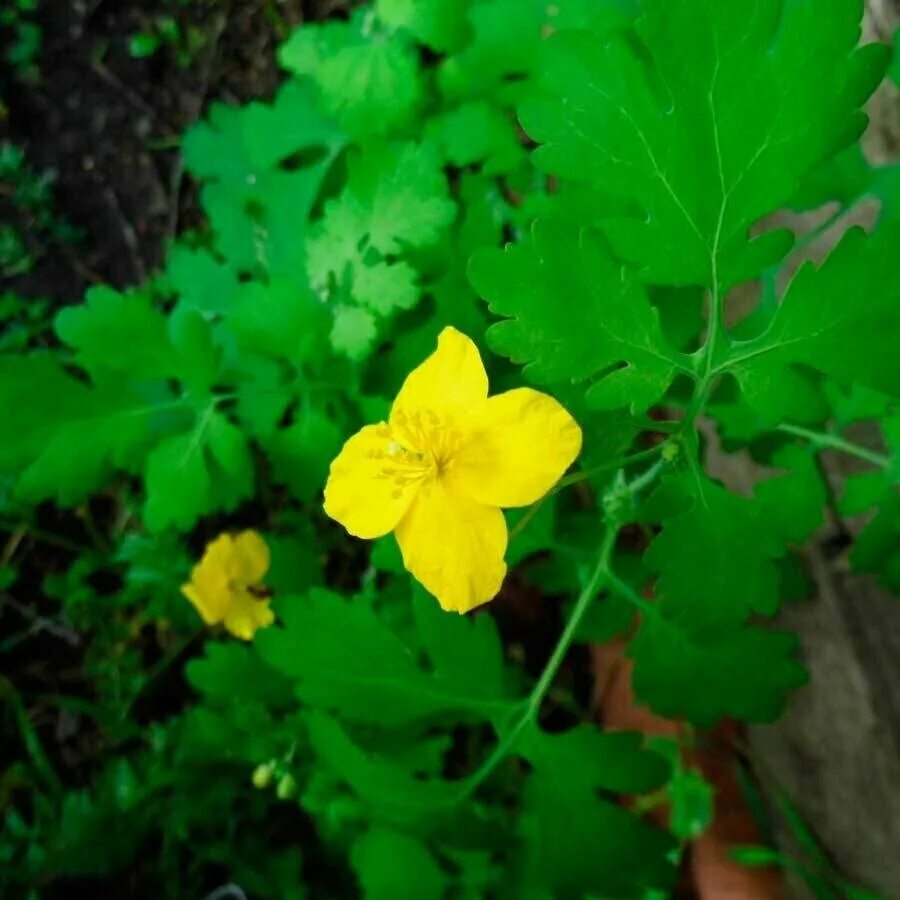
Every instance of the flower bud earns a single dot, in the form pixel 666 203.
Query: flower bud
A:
pixel 262 775
pixel 286 788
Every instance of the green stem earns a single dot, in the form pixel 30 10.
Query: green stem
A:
pixel 824 440
pixel 32 743
pixel 577 478
pixel 622 463
pixel 532 704
pixel 601 569
pixel 705 366
pixel 646 479
pixel 627 592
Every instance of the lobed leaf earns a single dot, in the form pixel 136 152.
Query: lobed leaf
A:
pixel 575 313
pixel 668 120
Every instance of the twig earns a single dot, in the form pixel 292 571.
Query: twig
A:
pixel 135 99
pixel 39 623
pixel 128 233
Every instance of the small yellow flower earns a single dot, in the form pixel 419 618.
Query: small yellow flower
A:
pixel 438 472
pixel 226 585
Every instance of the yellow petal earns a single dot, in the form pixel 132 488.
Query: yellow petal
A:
pixel 249 560
pixel 209 589
pixel 210 605
pixel 450 382
pixel 359 495
pixel 454 547
pixel 247 615
pixel 520 444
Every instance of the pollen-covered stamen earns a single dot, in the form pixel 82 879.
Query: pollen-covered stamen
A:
pixel 418 445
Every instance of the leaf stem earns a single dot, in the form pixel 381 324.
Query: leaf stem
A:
pixel 627 592
pixel 824 440
pixel 577 478
pixel 583 475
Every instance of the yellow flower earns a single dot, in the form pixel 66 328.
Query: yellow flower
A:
pixel 438 472
pixel 226 586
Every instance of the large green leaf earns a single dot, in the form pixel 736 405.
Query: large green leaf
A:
pixel 344 658
pixel 745 673
pixel 375 856
pixel 670 120
pixel 841 318
pixel 577 841
pixel 575 313
pixel 64 438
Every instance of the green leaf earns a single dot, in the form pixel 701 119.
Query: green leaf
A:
pixel 465 652
pixel 395 792
pixel 714 556
pixel 263 165
pixel 396 200
pixel 839 318
pixel 279 318
pixel 402 192
pixel 117 334
pixel 477 132
pixel 197 358
pixel 200 471
pixel 353 332
pixel 441 25
pixel 142 45
pixel 745 673
pixel 671 123
pixel 48 413
pixel 375 856
pixel 506 38
pixel 201 281
pixel 372 85
pixel 691 804
pixel 793 505
pixel 229 671
pixel 577 841
pixel 716 561
pixel 301 453
pixel 612 333
pixel 344 658
pixel 386 287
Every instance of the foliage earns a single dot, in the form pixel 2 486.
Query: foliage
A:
pixel 31 225
pixel 22 39
pixel 384 193
pixel 170 28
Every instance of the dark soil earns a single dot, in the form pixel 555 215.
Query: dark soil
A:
pixel 108 125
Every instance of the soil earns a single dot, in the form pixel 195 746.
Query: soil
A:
pixel 107 124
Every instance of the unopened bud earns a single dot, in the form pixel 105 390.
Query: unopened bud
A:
pixel 670 451
pixel 262 775
pixel 287 787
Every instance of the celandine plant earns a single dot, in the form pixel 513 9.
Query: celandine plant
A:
pixel 439 189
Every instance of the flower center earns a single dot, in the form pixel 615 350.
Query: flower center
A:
pixel 419 446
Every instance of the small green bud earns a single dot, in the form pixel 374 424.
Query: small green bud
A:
pixel 287 787
pixel 262 775
pixel 670 451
